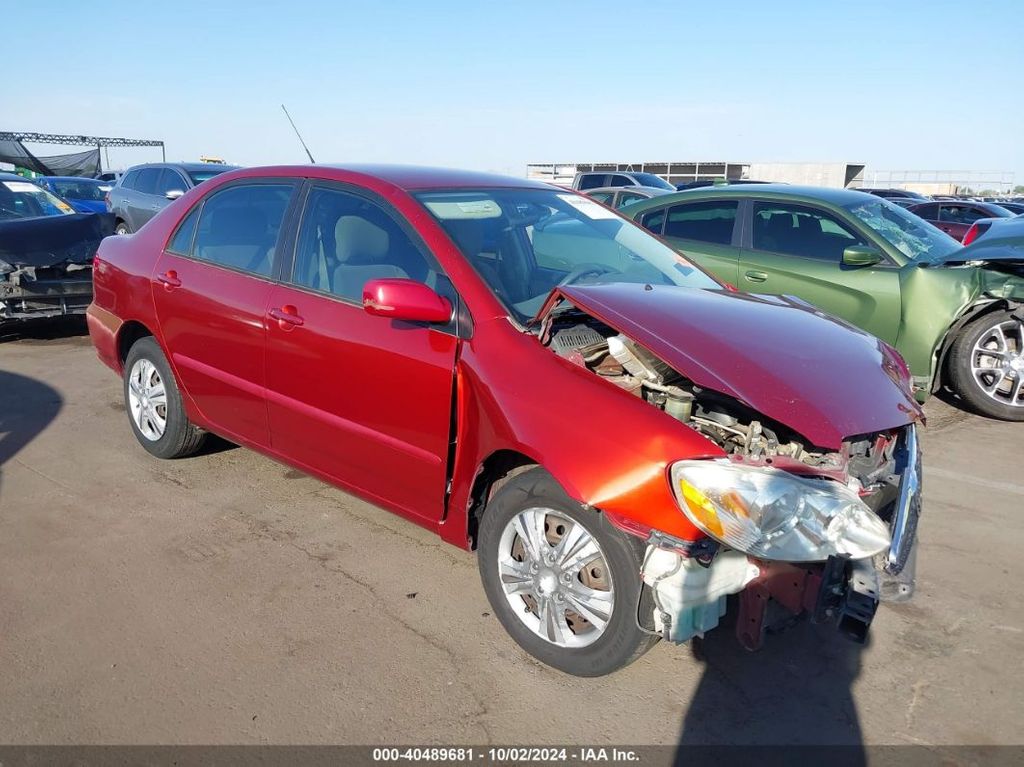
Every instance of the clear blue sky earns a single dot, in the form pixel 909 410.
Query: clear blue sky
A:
pixel 494 85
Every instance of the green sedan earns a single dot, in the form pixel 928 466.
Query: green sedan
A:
pixel 958 323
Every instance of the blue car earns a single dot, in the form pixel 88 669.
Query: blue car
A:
pixel 85 195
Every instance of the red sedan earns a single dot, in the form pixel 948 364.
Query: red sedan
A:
pixel 623 441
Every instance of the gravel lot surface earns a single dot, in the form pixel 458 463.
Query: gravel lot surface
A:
pixel 226 598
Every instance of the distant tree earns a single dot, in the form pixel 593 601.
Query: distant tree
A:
pixel 1019 189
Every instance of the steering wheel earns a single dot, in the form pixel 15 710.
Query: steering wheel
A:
pixel 583 270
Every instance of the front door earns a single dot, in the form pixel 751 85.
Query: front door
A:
pixel 211 289
pixel 798 250
pixel 362 400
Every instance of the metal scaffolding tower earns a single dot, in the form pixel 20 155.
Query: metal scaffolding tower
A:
pixel 69 140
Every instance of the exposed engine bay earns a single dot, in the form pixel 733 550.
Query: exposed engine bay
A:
pixel 689 590
pixel 736 428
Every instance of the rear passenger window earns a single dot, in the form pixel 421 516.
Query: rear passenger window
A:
pixel 346 240
pixel 621 181
pixel 238 227
pixel 181 242
pixel 654 221
pixel 592 181
pixel 703 221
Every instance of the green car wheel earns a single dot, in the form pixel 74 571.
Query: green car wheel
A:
pixel 987 366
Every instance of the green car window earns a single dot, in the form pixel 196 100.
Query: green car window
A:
pixel 703 221
pixel 799 230
pixel 912 236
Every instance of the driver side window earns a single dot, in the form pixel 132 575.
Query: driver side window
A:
pixel 800 230
pixel 346 240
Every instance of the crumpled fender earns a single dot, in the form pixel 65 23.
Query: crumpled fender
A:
pixel 606 447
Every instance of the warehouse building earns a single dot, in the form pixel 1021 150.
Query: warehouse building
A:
pixel 834 174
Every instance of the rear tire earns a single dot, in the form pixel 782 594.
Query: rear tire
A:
pixel 986 366
pixel 578 617
pixel 122 228
pixel 154 405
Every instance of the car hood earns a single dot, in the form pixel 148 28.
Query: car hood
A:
pixel 52 240
pixel 819 376
pixel 1009 251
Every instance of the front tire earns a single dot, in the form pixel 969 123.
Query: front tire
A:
pixel 986 366
pixel 154 405
pixel 563 582
pixel 122 228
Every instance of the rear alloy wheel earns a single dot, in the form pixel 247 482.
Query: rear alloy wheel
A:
pixel 122 228
pixel 561 580
pixel 154 404
pixel 987 366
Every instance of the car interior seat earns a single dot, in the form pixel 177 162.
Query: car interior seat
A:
pixel 361 249
pixel 773 232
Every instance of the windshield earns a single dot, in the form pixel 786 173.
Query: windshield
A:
pixel 82 189
pixel 649 179
pixel 910 235
pixel 199 176
pixel 525 242
pixel 21 199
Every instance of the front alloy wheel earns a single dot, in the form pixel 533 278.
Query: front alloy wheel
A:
pixel 555 577
pixel 987 365
pixel 564 582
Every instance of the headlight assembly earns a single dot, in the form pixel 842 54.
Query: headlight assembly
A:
pixel 772 514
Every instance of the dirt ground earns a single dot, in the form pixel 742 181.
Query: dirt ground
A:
pixel 228 599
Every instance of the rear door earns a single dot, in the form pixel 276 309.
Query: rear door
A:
pixel 706 231
pixel 364 401
pixel 796 249
pixel 211 287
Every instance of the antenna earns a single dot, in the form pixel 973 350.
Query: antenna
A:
pixel 308 154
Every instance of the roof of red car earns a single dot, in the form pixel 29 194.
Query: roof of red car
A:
pixel 412 177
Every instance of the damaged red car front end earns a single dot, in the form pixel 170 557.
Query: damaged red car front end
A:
pixel 805 501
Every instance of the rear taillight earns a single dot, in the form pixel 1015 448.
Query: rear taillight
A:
pixel 106 200
pixel 976 230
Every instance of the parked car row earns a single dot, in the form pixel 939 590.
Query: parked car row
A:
pixel 624 439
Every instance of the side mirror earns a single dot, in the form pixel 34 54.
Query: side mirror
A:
pixel 861 255
pixel 174 194
pixel 407 300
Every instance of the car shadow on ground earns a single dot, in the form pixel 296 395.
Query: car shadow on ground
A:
pixel 26 408
pixel 796 690
pixel 45 330
pixel 213 445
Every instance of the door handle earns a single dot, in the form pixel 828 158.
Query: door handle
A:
pixel 756 276
pixel 287 316
pixel 169 279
